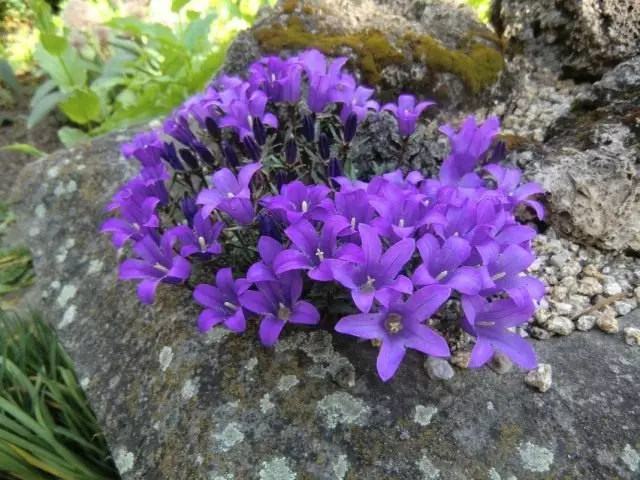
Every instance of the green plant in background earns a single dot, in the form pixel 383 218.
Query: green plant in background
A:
pixel 47 428
pixel 482 7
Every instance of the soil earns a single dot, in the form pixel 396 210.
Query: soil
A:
pixel 13 129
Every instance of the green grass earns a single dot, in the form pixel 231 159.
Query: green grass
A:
pixel 47 428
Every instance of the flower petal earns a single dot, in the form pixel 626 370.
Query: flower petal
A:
pixel 396 257
pixel 427 341
pixel 208 319
pixel 389 359
pixel 481 353
pixel 371 244
pixel 425 302
pixel 147 290
pixel 256 302
pixel 288 260
pixel 363 325
pixel 304 313
pixel 362 300
pixel 270 329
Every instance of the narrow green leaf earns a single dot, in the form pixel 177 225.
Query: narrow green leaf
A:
pixel 177 5
pixel 24 148
pixel 43 107
pixel 8 77
pixel 70 136
pixel 41 91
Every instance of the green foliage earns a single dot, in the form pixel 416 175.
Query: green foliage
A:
pixel 24 148
pixel 482 7
pixel 16 269
pixel 47 428
pixel 8 78
pixel 137 72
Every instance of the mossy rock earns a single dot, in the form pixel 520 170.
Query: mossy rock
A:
pixel 457 60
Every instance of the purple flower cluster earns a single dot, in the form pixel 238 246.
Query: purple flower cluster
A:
pixel 253 178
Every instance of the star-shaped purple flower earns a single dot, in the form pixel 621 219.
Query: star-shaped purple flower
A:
pixel 489 323
pixel 241 114
pixel 443 264
pixel 378 277
pixel 221 302
pixel 360 103
pixel 313 250
pixel 278 303
pixel 157 264
pixel 407 113
pixel 401 325
pixel 231 195
pixel 297 201
pixel 264 270
pixel 200 240
pixel 508 183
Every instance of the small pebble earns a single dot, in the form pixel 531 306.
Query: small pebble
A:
pixel 542 315
pixel 632 335
pixel 540 378
pixel 439 368
pixel 590 286
pixel 563 308
pixel 559 292
pixel 560 325
pixel 559 259
pixel 586 323
pixel 607 323
pixel 501 364
pixel 540 333
pixel 623 308
pixel 592 271
pixel 461 359
pixel 637 293
pixel 611 287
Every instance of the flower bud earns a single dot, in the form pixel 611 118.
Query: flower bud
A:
pixel 230 155
pixel 253 149
pixel 212 128
pixel 499 152
pixel 290 151
pixel 189 158
pixel 258 131
pixel 350 127
pixel 189 209
pixel 335 168
pixel 170 155
pixel 308 128
pixel 323 146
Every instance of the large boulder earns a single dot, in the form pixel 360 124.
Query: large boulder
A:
pixel 581 38
pixel 590 164
pixel 179 405
pixel 437 49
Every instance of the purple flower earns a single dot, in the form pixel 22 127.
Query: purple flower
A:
pixel 322 80
pixel 240 114
pixel 504 273
pixel 468 145
pixel 400 325
pixel 201 240
pixel 378 276
pixel 442 264
pixel 489 322
pixel 508 182
pixel 178 129
pixel 278 303
pixel 153 178
pixel 264 270
pixel 221 302
pixel 146 147
pixel 231 195
pixel 359 103
pixel 157 264
pixel 354 206
pixel 407 113
pixel 280 79
pixel 297 201
pixel 313 249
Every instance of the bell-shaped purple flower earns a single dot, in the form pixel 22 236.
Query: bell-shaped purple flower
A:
pixel 468 146
pixel 407 113
pixel 231 194
pixel 508 183
pixel 221 302
pixel 354 207
pixel 322 77
pixel 200 240
pixel 360 104
pixel 264 270
pixel 178 129
pixel 280 79
pixel 240 114
pixel 490 323
pixel 401 325
pixel 444 264
pixel 297 201
pixel 157 264
pixel 153 178
pixel 313 250
pixel 146 147
pixel 378 277
pixel 278 303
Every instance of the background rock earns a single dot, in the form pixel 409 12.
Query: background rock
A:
pixel 179 405
pixel 582 39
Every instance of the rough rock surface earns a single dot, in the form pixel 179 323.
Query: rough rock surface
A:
pixel 437 48
pixel 591 160
pixel 178 405
pixel 582 39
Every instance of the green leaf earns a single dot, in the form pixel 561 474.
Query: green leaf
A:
pixel 54 44
pixel 70 136
pixel 196 36
pixel 24 148
pixel 176 5
pixel 41 91
pixel 8 77
pixel 81 106
pixel 43 16
pixel 66 70
pixel 47 103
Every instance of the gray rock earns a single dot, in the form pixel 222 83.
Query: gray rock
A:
pixel 581 39
pixel 179 405
pixel 589 164
pixel 560 325
pixel 586 323
pixel 540 378
pixel 439 368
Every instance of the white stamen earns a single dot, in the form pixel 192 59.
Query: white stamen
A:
pixel 305 206
pixel 203 243
pixel 441 275
pixel 273 77
pixel 486 324
pixel 456 234
pixel 250 120
pixel 135 225
pixel 159 266
pixel 401 223
pixel 393 323
pixel 320 254
pixel 230 306
pixel 284 313
pixel 230 195
pixel 498 276
pixel 353 222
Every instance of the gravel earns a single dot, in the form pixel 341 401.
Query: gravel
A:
pixel 540 378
